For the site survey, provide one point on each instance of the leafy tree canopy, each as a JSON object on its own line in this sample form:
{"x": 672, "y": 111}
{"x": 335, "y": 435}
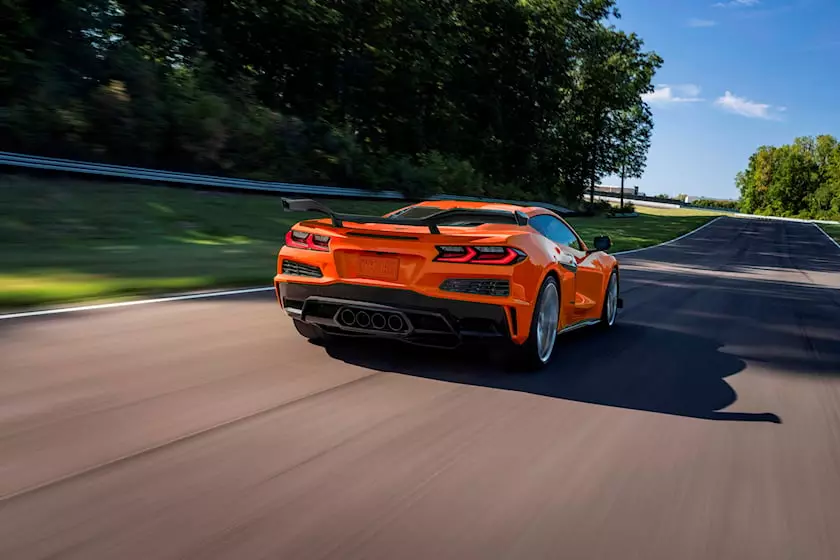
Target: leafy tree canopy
{"x": 801, "y": 179}
{"x": 502, "y": 97}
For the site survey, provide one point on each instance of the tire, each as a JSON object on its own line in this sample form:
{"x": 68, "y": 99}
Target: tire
{"x": 535, "y": 354}
{"x": 309, "y": 332}
{"x": 609, "y": 311}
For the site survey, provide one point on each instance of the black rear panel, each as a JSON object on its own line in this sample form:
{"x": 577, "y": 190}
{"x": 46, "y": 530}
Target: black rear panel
{"x": 428, "y": 320}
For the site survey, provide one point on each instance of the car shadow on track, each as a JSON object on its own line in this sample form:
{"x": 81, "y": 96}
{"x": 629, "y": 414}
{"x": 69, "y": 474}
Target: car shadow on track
{"x": 686, "y": 376}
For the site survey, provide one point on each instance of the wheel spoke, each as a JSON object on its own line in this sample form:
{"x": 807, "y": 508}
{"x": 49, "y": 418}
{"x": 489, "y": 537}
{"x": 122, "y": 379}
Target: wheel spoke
{"x": 611, "y": 302}
{"x": 547, "y": 323}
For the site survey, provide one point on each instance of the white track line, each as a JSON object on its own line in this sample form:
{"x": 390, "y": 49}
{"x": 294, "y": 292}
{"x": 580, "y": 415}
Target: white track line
{"x": 683, "y": 236}
{"x": 822, "y": 231}
{"x": 133, "y": 302}
{"x": 118, "y": 304}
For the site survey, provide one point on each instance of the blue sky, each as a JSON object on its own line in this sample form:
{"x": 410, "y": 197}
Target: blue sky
{"x": 737, "y": 74}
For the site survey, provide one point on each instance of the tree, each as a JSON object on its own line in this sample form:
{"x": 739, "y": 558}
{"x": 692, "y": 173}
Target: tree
{"x": 530, "y": 98}
{"x": 632, "y": 132}
{"x": 799, "y": 179}
{"x": 613, "y": 73}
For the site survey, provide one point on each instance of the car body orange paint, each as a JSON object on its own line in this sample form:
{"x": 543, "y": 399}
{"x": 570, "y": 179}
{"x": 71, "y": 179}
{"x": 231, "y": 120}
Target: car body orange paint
{"x": 402, "y": 258}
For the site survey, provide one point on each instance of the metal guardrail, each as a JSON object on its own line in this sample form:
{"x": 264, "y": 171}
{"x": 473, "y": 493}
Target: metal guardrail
{"x": 638, "y": 202}
{"x": 139, "y": 173}
{"x": 658, "y": 200}
{"x": 12, "y": 159}
{"x": 174, "y": 177}
{"x": 630, "y": 195}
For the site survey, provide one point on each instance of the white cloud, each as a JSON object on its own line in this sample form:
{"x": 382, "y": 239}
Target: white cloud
{"x": 737, "y": 4}
{"x": 665, "y": 94}
{"x": 694, "y": 22}
{"x": 746, "y": 108}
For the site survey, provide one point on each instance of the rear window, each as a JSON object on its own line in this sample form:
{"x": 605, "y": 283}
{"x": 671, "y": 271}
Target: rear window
{"x": 415, "y": 212}
{"x": 461, "y": 220}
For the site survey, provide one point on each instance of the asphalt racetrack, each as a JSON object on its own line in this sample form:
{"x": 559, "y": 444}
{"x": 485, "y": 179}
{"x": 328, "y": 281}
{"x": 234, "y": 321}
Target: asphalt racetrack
{"x": 705, "y": 426}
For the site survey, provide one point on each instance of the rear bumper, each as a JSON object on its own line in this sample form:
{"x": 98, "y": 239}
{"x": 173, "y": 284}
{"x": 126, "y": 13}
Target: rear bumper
{"x": 408, "y": 316}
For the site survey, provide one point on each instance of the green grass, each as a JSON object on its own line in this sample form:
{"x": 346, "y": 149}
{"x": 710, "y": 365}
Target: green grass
{"x": 652, "y": 226}
{"x": 654, "y": 211}
{"x": 71, "y": 241}
{"x": 65, "y": 241}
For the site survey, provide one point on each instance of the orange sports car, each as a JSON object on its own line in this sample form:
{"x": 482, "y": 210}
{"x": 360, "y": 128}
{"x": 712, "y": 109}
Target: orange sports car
{"x": 441, "y": 272}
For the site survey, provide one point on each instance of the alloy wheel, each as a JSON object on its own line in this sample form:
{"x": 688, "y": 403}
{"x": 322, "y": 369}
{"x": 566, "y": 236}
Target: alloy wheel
{"x": 549, "y": 315}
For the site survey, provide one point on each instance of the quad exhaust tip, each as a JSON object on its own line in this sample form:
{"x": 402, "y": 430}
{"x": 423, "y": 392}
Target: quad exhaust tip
{"x": 347, "y": 317}
{"x": 396, "y": 323}
{"x": 363, "y": 319}
{"x": 377, "y": 321}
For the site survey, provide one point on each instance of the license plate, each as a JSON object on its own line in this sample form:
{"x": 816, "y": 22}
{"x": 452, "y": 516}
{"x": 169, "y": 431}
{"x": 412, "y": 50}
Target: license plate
{"x": 379, "y": 268}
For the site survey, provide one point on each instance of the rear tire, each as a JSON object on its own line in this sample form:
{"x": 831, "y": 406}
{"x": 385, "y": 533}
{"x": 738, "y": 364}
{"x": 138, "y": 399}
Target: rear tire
{"x": 609, "y": 311}
{"x": 537, "y": 351}
{"x": 309, "y": 332}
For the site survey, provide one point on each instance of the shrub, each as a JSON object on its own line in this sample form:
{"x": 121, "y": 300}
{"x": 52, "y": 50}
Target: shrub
{"x": 628, "y": 208}
{"x": 599, "y": 207}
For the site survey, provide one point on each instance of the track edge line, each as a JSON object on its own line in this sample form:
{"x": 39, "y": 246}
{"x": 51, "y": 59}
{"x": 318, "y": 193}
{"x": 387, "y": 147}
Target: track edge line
{"x": 118, "y": 304}
{"x": 664, "y": 243}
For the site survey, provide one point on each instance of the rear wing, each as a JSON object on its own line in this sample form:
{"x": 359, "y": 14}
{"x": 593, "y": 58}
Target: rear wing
{"x": 432, "y": 221}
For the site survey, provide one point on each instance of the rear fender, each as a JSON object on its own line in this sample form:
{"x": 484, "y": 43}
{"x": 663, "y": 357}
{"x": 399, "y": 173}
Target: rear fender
{"x": 610, "y": 263}
{"x": 565, "y": 285}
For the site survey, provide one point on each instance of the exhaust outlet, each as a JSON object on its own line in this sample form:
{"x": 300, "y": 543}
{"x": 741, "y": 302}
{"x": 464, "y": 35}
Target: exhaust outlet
{"x": 377, "y": 321}
{"x": 347, "y": 317}
{"x": 395, "y": 323}
{"x": 363, "y": 319}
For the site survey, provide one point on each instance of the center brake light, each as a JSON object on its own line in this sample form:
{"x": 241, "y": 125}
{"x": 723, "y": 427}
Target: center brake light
{"x": 303, "y": 240}
{"x": 479, "y": 254}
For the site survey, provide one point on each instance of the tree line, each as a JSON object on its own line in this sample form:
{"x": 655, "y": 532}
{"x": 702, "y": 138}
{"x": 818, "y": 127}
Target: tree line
{"x": 534, "y": 99}
{"x": 800, "y": 180}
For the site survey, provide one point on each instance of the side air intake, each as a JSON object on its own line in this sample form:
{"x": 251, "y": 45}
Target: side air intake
{"x": 479, "y": 287}
{"x": 295, "y": 268}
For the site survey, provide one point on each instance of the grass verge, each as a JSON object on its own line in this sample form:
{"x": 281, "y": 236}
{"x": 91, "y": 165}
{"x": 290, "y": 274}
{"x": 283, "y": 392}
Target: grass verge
{"x": 68, "y": 241}
{"x": 651, "y": 227}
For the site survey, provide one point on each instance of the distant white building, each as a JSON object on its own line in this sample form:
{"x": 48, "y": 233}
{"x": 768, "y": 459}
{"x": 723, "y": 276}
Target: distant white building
{"x": 617, "y": 189}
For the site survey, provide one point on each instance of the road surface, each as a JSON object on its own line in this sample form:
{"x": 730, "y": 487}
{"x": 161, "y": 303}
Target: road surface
{"x": 706, "y": 425}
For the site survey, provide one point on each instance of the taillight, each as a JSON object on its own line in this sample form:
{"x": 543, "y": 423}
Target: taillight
{"x": 318, "y": 242}
{"x": 479, "y": 254}
{"x": 303, "y": 240}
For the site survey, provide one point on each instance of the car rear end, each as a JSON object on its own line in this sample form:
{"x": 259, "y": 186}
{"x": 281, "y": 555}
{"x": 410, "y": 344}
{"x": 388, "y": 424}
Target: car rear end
{"x": 402, "y": 282}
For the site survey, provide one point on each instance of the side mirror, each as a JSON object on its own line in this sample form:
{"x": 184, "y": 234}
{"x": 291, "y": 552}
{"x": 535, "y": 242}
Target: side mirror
{"x": 602, "y": 243}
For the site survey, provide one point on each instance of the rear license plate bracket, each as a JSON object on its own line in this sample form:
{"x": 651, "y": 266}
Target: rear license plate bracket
{"x": 378, "y": 267}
